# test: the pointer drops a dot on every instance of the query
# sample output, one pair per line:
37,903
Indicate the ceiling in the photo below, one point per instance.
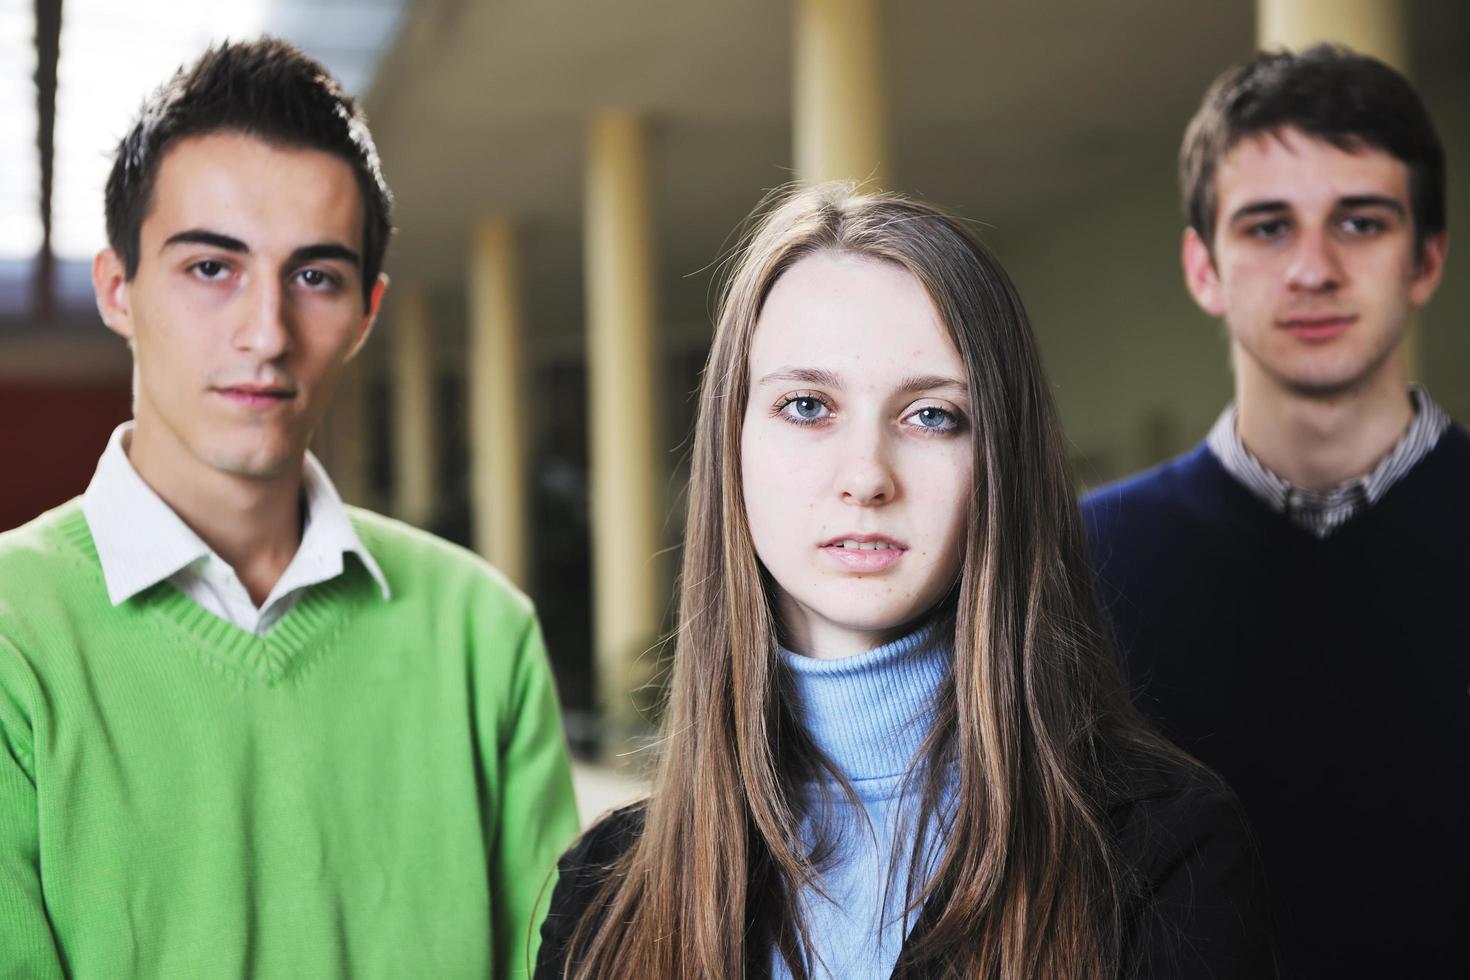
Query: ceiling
1001,111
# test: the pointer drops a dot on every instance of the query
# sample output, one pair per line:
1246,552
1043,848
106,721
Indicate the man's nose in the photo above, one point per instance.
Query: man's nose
263,329
1315,263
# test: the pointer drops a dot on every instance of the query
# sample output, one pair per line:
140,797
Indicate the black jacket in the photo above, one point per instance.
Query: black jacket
1201,911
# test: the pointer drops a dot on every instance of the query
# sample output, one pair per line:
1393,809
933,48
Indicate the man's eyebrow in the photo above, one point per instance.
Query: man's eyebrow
325,250
300,256
1257,208
809,376
1372,201
198,236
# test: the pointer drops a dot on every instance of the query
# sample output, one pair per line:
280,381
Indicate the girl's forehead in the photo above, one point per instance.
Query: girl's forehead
851,314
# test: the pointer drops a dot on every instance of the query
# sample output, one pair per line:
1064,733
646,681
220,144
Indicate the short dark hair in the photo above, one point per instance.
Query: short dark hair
267,89
1330,93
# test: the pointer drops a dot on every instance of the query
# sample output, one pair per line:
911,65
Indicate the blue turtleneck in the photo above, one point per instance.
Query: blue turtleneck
869,714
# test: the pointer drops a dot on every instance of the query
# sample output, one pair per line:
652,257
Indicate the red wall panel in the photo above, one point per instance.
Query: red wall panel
50,437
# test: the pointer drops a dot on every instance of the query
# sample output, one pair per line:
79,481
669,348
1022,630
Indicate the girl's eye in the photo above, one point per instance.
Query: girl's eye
933,419
807,408
803,409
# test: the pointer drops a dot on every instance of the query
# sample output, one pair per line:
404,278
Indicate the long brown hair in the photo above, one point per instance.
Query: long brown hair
1031,716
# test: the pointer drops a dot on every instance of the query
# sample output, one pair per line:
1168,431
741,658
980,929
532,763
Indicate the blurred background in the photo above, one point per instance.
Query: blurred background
568,176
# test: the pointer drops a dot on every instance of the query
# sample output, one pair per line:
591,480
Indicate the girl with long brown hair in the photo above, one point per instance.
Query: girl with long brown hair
895,742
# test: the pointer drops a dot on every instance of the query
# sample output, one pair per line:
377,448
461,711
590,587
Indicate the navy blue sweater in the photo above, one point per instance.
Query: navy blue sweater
1328,681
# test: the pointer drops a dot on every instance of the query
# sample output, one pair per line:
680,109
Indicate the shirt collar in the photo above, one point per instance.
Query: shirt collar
141,541
1325,511
328,537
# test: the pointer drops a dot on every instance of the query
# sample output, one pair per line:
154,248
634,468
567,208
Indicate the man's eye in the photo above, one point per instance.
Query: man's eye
1362,225
316,279
208,269
1274,228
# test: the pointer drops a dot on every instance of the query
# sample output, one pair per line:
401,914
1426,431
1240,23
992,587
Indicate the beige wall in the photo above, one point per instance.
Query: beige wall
1138,372
1444,361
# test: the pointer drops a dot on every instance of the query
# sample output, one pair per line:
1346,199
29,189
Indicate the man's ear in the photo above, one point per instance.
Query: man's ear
375,303
1429,268
110,283
1200,274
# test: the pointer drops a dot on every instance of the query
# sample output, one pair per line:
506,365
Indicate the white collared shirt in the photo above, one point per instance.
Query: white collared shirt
141,542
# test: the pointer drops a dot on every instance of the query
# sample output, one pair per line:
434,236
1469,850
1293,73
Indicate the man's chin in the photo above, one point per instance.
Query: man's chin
1330,374
1328,384
1324,378
259,463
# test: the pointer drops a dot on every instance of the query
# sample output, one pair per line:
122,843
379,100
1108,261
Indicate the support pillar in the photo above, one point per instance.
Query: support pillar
1375,27
415,461
499,409
839,113
624,386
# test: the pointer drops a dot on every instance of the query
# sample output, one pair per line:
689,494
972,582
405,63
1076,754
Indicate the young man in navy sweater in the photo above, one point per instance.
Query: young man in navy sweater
1291,596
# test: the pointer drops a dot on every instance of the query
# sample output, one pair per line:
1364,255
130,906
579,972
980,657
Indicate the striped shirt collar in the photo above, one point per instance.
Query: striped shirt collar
1325,512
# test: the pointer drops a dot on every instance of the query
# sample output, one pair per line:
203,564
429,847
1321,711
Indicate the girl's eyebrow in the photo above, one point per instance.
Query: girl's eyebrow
808,376
821,378
926,382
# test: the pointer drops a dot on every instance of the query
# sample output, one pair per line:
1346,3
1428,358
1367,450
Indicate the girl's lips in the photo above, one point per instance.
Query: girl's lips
864,559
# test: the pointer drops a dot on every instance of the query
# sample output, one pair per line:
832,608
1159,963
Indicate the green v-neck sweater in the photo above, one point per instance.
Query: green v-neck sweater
377,788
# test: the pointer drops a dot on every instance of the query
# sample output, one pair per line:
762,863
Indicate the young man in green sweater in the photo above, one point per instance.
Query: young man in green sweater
246,731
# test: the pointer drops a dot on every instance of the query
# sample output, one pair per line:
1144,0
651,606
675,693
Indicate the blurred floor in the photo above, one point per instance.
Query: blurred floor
602,788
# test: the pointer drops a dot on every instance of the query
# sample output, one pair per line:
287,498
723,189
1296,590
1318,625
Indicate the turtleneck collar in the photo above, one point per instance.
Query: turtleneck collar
869,713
